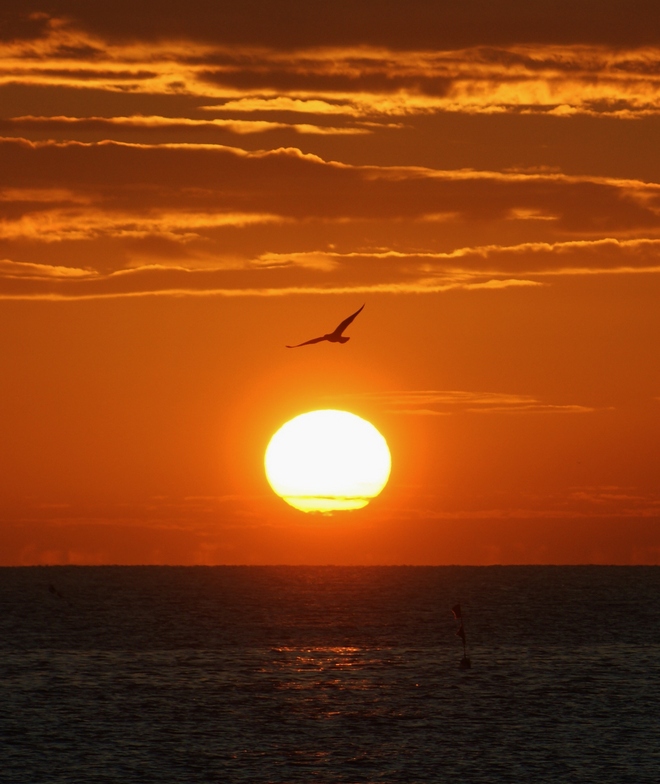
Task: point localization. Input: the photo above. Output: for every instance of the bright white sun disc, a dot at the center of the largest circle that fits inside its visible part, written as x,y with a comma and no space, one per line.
327,460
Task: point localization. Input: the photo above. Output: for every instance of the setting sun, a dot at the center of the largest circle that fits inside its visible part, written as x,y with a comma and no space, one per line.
329,460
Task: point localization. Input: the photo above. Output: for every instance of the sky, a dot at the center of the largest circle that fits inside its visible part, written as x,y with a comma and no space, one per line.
186,188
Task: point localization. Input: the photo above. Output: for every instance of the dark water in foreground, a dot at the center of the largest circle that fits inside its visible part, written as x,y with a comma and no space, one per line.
333,674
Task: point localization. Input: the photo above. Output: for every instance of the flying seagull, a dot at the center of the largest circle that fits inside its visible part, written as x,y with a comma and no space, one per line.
332,337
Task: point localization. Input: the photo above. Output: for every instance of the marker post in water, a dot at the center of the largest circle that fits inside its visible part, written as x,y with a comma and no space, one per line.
458,616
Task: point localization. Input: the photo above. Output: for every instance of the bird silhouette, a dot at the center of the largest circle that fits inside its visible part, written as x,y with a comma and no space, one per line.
332,337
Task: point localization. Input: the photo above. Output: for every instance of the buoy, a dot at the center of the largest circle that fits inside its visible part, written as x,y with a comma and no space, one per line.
465,664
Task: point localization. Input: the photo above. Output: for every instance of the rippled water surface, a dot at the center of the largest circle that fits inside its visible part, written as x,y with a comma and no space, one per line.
332,674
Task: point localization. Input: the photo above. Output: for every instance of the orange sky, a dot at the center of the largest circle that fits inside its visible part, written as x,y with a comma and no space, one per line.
186,188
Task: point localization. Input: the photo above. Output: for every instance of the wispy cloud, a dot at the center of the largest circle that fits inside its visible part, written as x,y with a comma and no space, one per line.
287,182
155,280
443,402
213,220
192,270
22,269
59,124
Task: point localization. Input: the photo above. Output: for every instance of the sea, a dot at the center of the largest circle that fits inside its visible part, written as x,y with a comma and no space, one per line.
329,674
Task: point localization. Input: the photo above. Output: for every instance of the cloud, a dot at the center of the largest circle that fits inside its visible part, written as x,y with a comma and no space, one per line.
354,76
545,260
45,282
150,123
159,218
443,402
560,80
282,103
285,181
20,269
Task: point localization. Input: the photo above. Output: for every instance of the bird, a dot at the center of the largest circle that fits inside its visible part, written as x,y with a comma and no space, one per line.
332,337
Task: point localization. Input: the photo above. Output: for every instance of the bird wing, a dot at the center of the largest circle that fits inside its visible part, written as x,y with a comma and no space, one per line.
345,323
308,342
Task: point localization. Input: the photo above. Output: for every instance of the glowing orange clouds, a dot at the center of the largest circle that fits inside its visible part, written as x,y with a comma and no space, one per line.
360,82
117,219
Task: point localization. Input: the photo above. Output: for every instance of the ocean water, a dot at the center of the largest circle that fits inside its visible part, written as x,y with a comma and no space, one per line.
329,674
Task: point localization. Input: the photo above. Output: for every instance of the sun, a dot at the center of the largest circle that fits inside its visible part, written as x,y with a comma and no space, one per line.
329,460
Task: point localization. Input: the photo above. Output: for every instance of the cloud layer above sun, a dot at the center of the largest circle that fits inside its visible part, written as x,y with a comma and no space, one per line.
189,156
110,219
